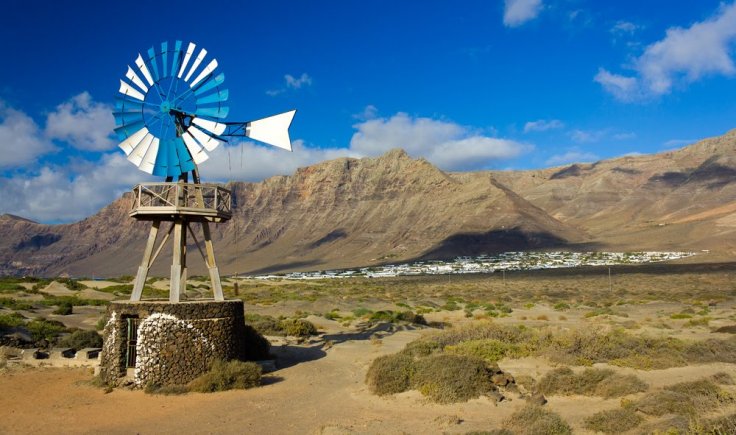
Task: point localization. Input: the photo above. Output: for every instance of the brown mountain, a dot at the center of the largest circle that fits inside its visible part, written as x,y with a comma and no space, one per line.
353,212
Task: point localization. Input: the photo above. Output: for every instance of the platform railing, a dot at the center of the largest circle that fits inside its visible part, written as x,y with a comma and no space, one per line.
181,198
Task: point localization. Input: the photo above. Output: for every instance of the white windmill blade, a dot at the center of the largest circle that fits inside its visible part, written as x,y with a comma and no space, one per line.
132,76
213,127
195,149
205,72
136,157
187,56
133,140
208,142
273,130
130,91
144,69
149,159
195,65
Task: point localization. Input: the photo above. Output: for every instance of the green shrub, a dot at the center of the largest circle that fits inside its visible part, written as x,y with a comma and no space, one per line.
298,327
560,306
590,382
390,374
451,378
81,339
613,421
362,312
65,308
42,329
228,375
488,349
11,320
15,304
264,324
534,420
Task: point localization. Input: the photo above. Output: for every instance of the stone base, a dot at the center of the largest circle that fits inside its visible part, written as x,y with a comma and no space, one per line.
173,343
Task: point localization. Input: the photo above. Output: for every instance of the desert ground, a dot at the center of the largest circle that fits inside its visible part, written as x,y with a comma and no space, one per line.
320,385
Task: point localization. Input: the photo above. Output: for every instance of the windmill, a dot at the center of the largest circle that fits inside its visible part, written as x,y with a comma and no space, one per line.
169,114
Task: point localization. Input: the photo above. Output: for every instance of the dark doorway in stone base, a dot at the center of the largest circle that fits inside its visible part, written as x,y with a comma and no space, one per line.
131,334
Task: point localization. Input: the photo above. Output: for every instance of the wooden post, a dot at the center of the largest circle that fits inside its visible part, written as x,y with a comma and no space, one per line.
183,281
176,269
140,278
211,265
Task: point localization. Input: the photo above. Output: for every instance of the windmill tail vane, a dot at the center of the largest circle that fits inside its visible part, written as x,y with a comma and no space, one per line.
170,111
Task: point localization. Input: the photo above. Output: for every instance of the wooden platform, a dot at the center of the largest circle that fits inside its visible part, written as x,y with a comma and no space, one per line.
172,201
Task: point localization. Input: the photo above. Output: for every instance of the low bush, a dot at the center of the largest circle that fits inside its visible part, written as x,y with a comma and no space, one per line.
390,374
228,375
590,382
11,320
489,349
80,339
613,421
685,398
64,309
534,420
297,327
42,329
451,378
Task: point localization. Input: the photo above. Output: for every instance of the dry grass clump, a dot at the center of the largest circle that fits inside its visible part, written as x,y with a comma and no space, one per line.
451,378
722,378
390,374
685,398
488,349
535,420
613,421
228,375
590,382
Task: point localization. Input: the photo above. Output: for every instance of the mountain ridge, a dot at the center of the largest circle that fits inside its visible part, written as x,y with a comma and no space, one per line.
350,212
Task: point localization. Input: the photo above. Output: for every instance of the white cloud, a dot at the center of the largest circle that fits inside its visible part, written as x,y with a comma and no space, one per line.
82,123
587,136
624,27
448,145
21,140
572,156
369,112
543,125
676,143
56,194
624,136
683,56
518,12
291,82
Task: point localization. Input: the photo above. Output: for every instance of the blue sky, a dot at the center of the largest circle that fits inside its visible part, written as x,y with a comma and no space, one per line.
469,85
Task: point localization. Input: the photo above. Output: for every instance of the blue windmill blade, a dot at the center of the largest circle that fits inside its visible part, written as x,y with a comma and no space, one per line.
152,61
128,129
161,162
186,162
125,118
208,84
218,97
127,105
176,58
212,112
172,161
164,58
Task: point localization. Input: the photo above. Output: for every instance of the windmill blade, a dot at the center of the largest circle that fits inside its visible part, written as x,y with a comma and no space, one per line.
133,140
128,90
176,57
195,149
185,161
273,130
164,54
208,84
213,127
127,117
212,112
149,159
208,142
133,77
159,167
217,97
136,157
124,131
187,56
152,60
144,69
205,72
195,65
127,105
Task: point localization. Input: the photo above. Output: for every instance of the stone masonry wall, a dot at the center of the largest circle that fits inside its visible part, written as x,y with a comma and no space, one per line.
175,343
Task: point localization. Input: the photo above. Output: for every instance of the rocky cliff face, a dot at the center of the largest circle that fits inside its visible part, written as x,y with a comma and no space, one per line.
354,212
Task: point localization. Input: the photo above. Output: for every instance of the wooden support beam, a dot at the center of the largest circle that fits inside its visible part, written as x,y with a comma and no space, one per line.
140,278
175,284
211,265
